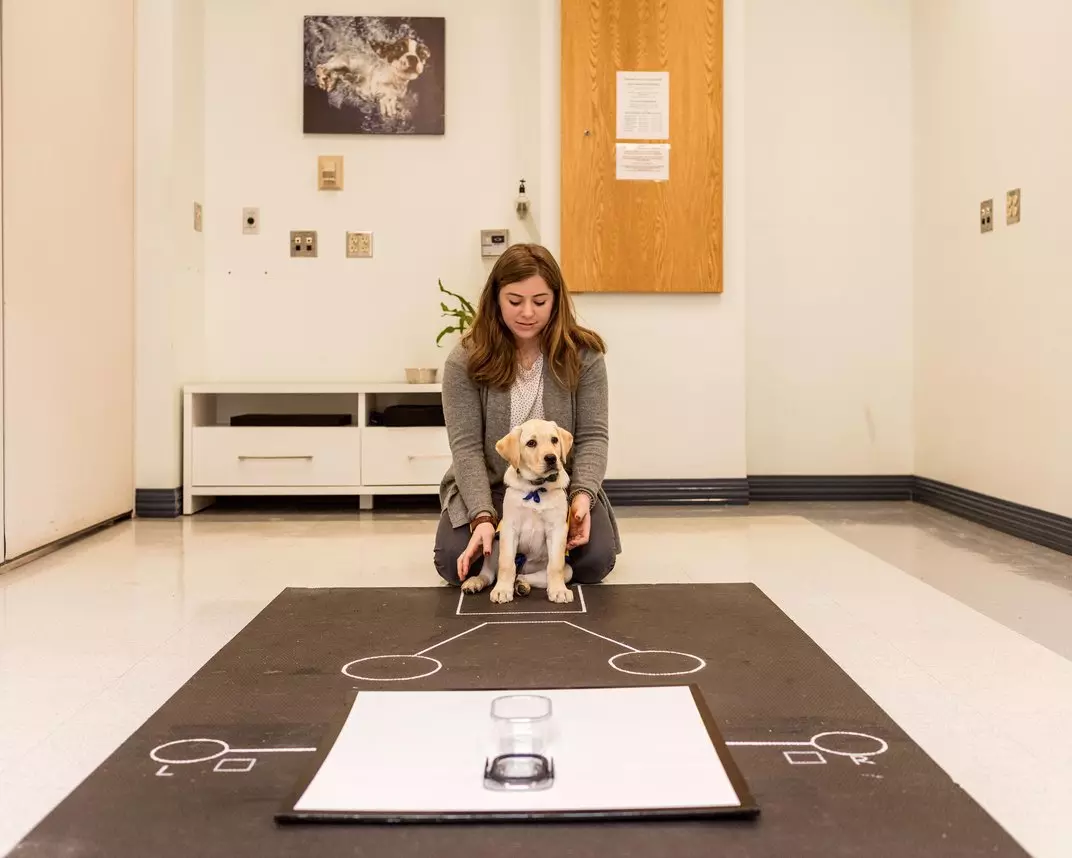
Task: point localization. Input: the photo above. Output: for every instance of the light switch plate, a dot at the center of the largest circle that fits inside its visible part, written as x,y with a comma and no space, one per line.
329,172
359,245
1012,206
986,216
251,221
493,242
303,243
198,217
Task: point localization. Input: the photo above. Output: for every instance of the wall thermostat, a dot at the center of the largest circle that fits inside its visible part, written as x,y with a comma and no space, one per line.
493,242
329,172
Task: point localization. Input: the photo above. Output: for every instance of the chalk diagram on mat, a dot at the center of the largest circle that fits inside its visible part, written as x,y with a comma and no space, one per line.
860,748
183,752
419,665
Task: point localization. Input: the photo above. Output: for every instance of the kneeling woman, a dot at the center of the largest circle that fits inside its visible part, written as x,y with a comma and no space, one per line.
525,357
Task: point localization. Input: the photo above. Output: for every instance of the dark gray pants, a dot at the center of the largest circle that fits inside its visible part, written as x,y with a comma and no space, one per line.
591,563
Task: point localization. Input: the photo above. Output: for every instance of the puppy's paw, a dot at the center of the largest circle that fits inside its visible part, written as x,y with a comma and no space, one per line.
473,585
501,594
522,588
561,595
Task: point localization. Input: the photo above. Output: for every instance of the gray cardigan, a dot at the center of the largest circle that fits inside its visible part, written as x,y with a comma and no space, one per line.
478,416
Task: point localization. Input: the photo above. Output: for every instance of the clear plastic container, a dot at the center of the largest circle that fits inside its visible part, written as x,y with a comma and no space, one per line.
522,723
522,730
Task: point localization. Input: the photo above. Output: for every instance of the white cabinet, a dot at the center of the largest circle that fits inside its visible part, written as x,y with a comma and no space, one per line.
362,459
404,455
277,456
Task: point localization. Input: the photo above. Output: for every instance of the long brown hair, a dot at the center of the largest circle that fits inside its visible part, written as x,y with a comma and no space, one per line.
492,352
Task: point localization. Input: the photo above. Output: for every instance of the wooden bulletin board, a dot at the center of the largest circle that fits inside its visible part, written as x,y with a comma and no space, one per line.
647,235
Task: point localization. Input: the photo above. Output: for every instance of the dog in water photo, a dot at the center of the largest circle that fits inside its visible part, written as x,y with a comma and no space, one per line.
366,70
531,548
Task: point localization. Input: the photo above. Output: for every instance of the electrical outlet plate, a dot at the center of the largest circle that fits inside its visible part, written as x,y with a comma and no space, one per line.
358,245
198,217
986,216
329,172
303,243
251,221
1012,206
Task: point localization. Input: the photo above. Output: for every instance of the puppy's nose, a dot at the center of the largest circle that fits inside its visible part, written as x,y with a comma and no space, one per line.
550,458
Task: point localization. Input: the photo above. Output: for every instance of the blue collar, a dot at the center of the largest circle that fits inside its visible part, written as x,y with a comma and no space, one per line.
534,495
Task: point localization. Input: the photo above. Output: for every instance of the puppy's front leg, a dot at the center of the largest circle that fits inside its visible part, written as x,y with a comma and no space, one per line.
507,571
557,591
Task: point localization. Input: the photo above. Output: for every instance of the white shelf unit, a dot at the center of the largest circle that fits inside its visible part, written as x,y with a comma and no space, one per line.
359,459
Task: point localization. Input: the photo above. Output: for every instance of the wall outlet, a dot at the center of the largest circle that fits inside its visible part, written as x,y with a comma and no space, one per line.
986,216
198,217
358,245
251,221
303,243
1012,206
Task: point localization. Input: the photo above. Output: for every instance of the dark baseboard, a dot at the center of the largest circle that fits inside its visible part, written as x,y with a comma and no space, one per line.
847,488
674,492
158,503
1035,525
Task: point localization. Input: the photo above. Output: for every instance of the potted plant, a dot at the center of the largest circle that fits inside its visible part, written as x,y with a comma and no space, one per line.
461,316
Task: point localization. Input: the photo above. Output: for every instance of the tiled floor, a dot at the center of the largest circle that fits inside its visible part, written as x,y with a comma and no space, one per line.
962,635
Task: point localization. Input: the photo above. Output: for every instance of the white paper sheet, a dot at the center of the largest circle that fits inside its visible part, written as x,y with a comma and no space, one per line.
643,105
640,162
613,749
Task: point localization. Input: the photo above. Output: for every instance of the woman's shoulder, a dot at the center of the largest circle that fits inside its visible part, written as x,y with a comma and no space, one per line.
458,355
591,357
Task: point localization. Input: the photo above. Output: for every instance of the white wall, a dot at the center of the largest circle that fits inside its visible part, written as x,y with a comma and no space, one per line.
828,324
829,223
425,198
270,317
170,254
68,166
994,312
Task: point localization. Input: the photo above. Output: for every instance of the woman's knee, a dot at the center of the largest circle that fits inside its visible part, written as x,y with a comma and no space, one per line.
449,545
594,565
446,564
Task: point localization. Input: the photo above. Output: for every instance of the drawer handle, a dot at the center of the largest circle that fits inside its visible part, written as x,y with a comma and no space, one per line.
244,458
429,456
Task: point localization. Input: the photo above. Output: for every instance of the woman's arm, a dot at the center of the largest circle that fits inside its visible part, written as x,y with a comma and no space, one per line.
590,436
465,431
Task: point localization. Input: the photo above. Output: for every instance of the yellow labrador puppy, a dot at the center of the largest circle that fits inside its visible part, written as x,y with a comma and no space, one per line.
535,517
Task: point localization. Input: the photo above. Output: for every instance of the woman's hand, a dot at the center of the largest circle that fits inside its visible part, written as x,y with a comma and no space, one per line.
580,521
481,540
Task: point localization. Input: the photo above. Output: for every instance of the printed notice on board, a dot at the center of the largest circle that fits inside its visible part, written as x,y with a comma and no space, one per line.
643,105
643,162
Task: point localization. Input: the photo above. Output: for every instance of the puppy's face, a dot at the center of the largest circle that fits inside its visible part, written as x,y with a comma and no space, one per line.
406,56
536,448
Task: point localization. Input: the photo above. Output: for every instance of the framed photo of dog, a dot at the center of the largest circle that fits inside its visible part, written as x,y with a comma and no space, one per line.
374,75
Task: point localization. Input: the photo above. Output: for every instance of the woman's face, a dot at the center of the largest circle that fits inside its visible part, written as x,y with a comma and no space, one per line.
526,307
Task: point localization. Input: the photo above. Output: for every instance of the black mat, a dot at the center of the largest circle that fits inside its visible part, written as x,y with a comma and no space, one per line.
833,774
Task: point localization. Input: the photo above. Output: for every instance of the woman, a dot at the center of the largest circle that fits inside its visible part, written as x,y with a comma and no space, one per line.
525,357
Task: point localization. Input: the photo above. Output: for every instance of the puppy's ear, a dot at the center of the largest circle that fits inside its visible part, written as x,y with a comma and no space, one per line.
565,440
509,447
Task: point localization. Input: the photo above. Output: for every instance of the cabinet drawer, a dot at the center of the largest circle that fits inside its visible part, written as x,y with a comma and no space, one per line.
277,456
404,455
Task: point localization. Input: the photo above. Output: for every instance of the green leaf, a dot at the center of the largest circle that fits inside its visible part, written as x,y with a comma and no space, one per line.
446,331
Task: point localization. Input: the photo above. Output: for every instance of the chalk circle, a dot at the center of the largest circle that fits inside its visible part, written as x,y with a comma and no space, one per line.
681,662
393,668
836,744
172,761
